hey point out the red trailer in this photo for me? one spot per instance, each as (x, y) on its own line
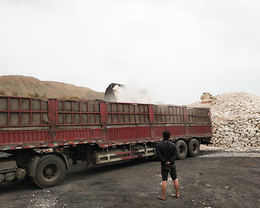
(38, 137)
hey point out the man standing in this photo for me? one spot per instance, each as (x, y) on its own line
(167, 153)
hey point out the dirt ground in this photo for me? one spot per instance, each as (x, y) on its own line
(214, 179)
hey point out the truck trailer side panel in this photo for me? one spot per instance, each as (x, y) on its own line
(29, 122)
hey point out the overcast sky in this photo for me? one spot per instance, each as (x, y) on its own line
(175, 49)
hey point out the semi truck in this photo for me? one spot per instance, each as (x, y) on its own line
(41, 138)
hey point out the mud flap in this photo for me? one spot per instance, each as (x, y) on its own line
(31, 166)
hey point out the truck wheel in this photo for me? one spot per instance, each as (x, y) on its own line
(194, 147)
(50, 171)
(181, 149)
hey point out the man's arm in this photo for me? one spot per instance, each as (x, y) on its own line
(159, 154)
(175, 155)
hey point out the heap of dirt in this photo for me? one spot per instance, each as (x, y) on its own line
(235, 119)
(32, 87)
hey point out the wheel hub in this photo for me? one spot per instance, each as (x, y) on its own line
(48, 171)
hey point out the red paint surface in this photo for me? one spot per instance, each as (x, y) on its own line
(92, 121)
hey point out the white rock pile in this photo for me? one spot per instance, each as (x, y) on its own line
(235, 119)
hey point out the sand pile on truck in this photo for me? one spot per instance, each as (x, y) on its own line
(235, 119)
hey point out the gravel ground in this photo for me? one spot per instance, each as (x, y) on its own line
(207, 151)
(217, 178)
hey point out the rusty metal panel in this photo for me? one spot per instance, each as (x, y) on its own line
(174, 130)
(199, 115)
(71, 112)
(200, 129)
(128, 133)
(23, 112)
(78, 134)
(168, 114)
(24, 137)
(127, 113)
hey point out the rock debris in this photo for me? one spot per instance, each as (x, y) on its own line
(235, 119)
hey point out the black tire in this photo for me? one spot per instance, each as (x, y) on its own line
(50, 171)
(194, 147)
(182, 149)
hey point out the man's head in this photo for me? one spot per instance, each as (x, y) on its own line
(166, 135)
